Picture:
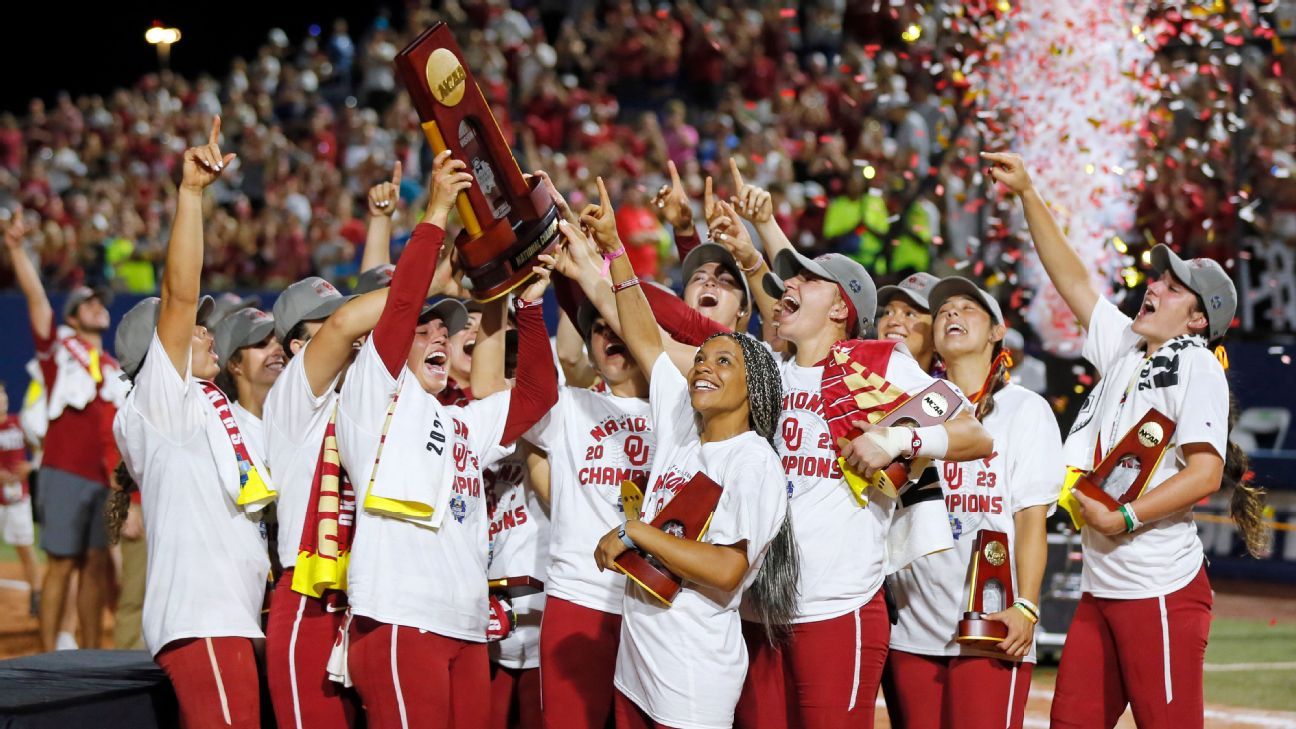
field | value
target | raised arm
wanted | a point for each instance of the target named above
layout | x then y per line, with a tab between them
1064	267
576	366
536	391
673	203
383	198
757	205
639	329
39	310
330	349
487	375
182	277
394	333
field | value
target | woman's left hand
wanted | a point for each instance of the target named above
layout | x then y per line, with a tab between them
609	548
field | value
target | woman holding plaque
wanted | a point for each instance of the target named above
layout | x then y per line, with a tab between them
931	679
1139	633
682	664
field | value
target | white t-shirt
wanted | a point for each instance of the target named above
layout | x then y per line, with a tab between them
684	665
253	430
825	516
1024	470
519	535
594	441
207	559
295	423
403	573
1185	383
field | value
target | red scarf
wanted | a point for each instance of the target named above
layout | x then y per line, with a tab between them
854	386
330	523
254	492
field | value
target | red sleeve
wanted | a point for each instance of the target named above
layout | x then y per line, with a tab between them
686	240
44	344
682	323
394	333
536	390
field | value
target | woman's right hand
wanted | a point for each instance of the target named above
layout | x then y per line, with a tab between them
601	221
449	178
16	232
1010	170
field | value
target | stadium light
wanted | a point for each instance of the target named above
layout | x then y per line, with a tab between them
162	37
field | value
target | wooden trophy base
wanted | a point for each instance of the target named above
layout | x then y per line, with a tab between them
659	583
975	630
502	257
515	586
1086	486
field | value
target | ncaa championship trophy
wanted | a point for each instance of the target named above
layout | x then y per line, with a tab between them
1125	471
687	516
989	584
507	221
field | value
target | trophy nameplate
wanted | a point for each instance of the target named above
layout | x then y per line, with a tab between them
989	585
687	516
508	221
1123	474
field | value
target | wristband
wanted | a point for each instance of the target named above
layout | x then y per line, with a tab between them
623	285
521	304
1132	522
892	441
610	257
933	441
1030	606
625	538
1032	617
754	267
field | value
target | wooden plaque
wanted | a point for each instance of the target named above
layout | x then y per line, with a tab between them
1124	472
989	572
687	516
933	406
508	221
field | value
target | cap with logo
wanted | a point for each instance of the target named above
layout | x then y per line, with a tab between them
916	288
1208	280
715	253
243	328
378	277
135	331
855	282
956	286
450	311
81	294
228	303
310	299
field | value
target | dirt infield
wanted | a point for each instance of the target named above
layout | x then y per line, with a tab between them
1249	601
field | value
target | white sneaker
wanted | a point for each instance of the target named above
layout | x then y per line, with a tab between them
65	642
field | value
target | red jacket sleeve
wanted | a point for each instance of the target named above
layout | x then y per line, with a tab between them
536	389
394	333
686	240
683	324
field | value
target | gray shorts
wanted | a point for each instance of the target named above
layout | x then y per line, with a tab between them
72	513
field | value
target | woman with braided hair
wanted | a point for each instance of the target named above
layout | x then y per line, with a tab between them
930	679
683	665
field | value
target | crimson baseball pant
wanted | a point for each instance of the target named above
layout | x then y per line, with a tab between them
515	697
972	692
1147	653
299	638
630	716
215	682
412	679
578	649
829	673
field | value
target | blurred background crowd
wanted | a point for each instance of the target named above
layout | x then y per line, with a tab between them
856	114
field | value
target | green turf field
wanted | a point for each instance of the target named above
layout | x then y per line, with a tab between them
1252	641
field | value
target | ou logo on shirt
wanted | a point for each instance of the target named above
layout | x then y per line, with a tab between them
792	434
636	450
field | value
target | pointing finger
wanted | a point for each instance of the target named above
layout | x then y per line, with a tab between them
708	199
674	175
605	203
396	174
737	176
214	137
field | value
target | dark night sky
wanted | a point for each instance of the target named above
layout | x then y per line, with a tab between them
88	47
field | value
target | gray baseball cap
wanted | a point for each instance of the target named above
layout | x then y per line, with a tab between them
378	277
1208	280
243	328
916	288
310	299
81	294
855	282
450	311
715	253
135	331
228	303
957	285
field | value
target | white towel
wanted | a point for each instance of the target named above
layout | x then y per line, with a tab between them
917	531
415	471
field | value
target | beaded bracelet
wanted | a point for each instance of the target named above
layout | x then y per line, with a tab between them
628	283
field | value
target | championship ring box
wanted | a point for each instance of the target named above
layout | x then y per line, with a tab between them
507	221
687	516
989	584
1125	471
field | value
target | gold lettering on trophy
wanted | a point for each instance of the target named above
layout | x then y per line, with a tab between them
446	76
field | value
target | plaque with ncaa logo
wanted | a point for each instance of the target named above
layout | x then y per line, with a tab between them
507	220
1124	472
989	588
687	516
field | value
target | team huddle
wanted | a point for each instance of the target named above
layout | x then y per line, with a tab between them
396	461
